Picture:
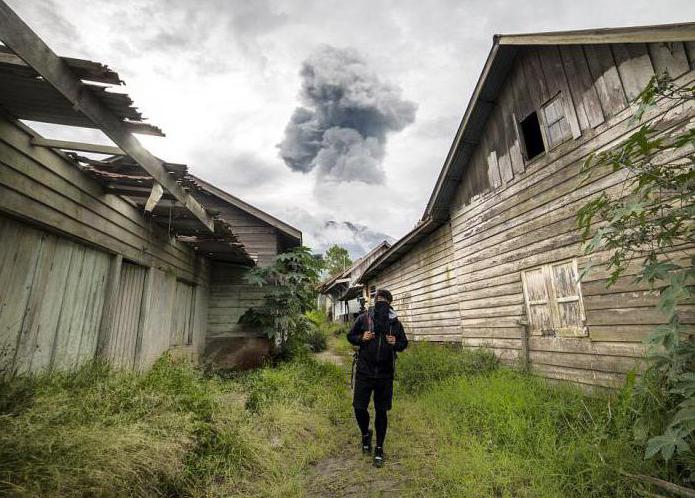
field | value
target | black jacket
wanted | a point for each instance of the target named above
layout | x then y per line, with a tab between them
377	357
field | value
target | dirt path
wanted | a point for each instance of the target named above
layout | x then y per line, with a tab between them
329	356
347	472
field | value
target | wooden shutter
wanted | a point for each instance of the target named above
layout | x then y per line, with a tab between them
553	300
538	304
569	309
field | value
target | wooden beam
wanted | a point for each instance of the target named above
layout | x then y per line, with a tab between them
20	38
77	146
640	34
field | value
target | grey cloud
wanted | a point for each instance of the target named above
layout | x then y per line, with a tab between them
347	112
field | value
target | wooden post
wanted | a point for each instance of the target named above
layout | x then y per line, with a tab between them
106	326
524	326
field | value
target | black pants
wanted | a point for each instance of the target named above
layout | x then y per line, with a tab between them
383	394
365	386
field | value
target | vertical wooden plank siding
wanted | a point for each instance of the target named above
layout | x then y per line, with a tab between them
634	66
51	299
122	344
464	281
158	318
182	327
606	78
669	58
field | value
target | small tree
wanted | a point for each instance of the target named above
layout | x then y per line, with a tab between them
337	259
651	223
291	281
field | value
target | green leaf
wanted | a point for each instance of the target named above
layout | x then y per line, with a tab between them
666	444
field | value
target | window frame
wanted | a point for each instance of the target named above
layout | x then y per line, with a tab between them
522	137
559	101
554	302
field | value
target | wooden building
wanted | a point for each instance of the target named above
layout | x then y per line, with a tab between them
114	254
341	293
498	245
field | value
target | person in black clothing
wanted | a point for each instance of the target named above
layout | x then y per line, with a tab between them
380	336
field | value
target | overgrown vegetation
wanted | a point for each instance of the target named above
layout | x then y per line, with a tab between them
650	224
291	283
462	426
169	432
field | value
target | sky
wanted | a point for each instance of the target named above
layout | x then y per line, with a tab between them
313	111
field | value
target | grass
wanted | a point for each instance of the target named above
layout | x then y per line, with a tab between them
461	426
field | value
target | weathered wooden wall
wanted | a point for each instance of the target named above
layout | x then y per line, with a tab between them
423	284
83	273
51	297
511	215
261	239
230	344
41	186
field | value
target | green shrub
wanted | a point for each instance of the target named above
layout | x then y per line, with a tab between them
316	339
423	364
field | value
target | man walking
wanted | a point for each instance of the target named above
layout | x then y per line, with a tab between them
379	335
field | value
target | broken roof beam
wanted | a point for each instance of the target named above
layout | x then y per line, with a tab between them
83	69
77	146
22	40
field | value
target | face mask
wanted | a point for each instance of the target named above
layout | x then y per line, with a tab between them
381	311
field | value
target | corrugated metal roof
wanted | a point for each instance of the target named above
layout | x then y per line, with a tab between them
25	95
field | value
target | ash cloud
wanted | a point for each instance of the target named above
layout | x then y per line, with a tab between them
346	114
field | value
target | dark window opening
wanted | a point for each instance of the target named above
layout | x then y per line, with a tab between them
533	139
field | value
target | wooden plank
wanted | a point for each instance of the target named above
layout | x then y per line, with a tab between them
157	326
606	78
19	37
499	144
584	94
509	126
669	58
534	77
668	32
32	179
60	355
94	308
110	302
634	66
77	146
29	335
557	82
16	289
690	52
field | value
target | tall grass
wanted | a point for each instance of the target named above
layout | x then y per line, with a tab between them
461	426
494	432
168	432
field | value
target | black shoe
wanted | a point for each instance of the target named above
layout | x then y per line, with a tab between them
379	457
367	443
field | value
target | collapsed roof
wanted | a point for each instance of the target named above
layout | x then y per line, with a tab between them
38	85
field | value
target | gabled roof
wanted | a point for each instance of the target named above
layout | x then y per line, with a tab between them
497	65
283	227
346	275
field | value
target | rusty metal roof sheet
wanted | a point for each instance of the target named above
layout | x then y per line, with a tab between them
26	95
